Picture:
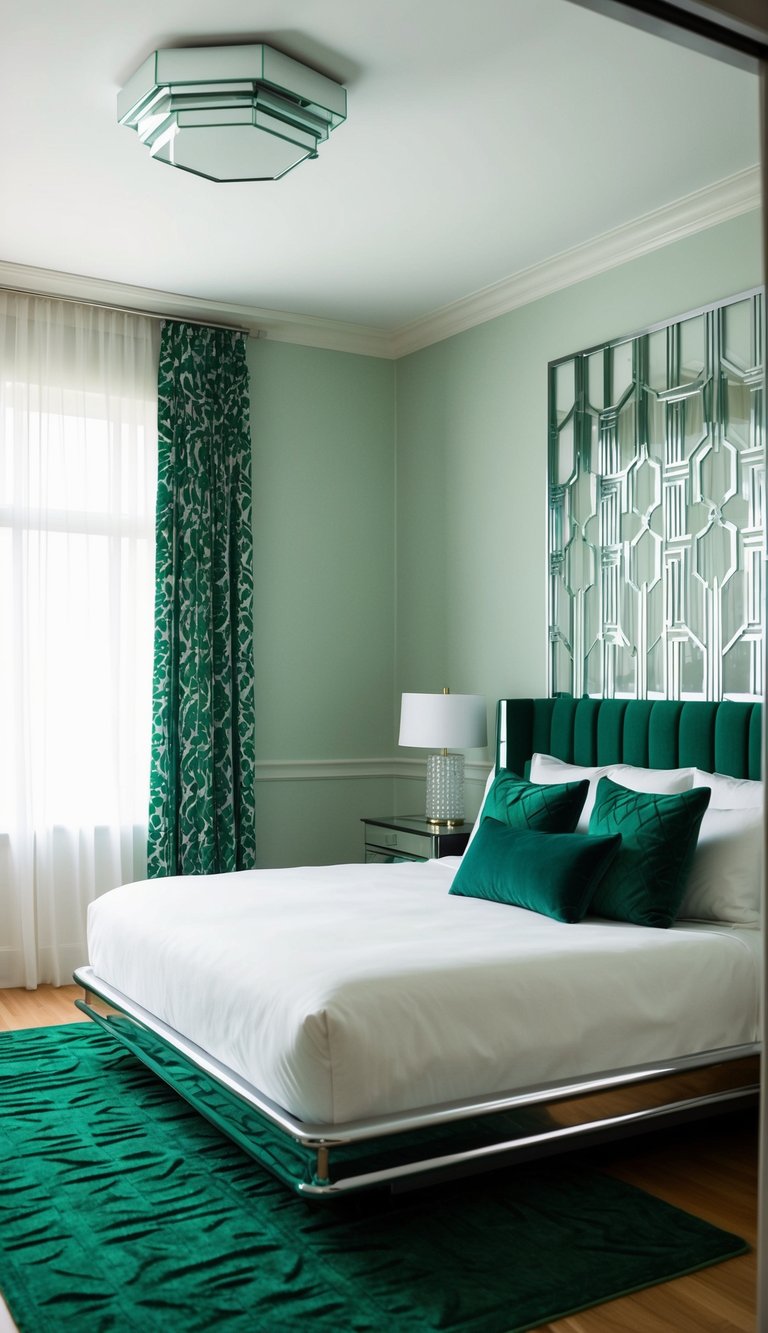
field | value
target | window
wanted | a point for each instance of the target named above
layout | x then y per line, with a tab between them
77	483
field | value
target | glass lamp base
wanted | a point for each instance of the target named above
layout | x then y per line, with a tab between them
445	789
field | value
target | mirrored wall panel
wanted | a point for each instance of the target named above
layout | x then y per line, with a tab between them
657	511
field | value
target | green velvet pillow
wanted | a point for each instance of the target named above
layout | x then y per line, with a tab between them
647	881
552	873
548	807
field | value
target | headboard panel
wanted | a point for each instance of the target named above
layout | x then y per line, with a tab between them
723	737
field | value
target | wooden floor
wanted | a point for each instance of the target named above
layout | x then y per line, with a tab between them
39	1008
709	1169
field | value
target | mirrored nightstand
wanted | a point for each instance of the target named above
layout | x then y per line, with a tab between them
406	838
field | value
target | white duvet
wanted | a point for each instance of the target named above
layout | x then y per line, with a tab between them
344	992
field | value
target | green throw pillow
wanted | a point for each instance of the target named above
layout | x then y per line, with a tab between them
552	873
548	807
646	883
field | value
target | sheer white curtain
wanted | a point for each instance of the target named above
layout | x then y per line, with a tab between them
78	408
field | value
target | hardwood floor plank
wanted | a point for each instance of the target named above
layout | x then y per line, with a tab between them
44	1007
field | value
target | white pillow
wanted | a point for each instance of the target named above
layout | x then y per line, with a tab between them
726	873
665	781
546	768
730	793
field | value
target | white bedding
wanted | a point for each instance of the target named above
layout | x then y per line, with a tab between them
344	992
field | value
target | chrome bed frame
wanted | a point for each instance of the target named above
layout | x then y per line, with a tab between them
432	1143
551	1117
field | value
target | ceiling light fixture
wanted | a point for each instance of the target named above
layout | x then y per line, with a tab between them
231	113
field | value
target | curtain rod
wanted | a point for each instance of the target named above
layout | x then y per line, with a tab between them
132	310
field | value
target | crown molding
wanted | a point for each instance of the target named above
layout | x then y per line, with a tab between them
331	335
705	208
307	330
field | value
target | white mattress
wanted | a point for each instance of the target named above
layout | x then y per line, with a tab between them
343	992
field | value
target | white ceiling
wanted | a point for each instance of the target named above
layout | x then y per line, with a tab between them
482	138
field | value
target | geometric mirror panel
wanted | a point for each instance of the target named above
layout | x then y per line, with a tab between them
657	511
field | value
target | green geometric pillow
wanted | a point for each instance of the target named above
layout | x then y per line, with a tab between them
550	808
554	874
646	882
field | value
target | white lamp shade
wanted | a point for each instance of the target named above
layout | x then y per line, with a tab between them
443	721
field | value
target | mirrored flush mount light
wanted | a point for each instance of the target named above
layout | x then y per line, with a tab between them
231	113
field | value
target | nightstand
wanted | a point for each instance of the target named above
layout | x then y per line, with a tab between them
405	838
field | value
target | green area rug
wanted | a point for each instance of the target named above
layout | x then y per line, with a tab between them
123	1211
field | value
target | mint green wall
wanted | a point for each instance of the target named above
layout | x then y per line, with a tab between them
323	487
472	463
400	530
317	822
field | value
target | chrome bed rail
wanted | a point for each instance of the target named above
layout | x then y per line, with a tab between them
551	1117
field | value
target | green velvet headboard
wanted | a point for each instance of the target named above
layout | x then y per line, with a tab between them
721	737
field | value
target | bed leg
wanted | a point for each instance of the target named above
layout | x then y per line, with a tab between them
322	1167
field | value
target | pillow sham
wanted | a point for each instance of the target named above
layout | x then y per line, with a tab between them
554	874
664	781
548	807
730	793
546	768
726	872
646	882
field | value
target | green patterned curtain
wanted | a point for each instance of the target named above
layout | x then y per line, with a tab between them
201	813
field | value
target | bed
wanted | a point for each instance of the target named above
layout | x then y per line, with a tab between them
364	1025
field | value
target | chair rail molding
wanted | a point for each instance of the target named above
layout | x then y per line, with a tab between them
345	770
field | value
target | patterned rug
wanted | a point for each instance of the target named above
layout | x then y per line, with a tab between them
123	1211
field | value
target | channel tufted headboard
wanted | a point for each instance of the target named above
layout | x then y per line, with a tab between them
723	737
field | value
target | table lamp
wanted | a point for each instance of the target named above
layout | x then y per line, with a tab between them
444	721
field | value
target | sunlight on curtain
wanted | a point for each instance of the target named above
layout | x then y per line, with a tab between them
78	401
